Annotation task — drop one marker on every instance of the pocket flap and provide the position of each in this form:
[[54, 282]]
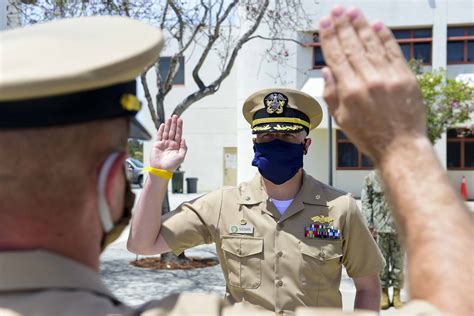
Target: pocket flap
[[322, 249], [242, 246]]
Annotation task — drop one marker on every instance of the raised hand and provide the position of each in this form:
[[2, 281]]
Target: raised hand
[[370, 90], [169, 150]]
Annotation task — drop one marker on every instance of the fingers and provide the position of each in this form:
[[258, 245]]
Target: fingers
[[160, 132], [391, 47], [351, 44], [330, 91], [166, 131], [179, 130], [373, 46], [173, 124], [333, 54]]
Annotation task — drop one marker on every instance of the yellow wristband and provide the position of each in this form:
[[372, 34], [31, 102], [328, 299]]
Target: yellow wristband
[[164, 174]]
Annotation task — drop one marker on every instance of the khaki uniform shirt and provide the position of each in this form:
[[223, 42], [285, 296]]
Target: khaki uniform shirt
[[42, 283], [275, 266]]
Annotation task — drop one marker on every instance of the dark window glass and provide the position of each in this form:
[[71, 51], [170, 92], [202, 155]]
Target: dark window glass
[[347, 155], [452, 133], [455, 31], [454, 154], [469, 154], [470, 30], [406, 50], [165, 66], [316, 37], [401, 34], [422, 51], [455, 51], [318, 57], [366, 162], [422, 33], [341, 135], [470, 51]]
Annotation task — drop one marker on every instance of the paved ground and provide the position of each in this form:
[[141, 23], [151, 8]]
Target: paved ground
[[137, 285]]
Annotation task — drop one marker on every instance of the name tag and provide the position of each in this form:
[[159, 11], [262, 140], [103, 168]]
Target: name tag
[[241, 229]]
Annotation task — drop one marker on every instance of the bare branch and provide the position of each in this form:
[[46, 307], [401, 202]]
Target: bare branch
[[210, 43], [177, 11], [149, 99], [283, 39]]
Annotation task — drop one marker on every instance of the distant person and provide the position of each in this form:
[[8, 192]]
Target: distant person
[[375, 99], [376, 210], [283, 237]]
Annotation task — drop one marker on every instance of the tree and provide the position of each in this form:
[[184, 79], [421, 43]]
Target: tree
[[135, 149], [448, 102], [206, 25]]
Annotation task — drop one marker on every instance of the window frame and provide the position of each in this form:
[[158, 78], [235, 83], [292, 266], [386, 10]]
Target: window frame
[[181, 66], [464, 39], [412, 40], [315, 44], [462, 140], [359, 153]]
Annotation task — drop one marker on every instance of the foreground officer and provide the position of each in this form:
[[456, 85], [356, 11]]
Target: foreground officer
[[67, 97], [281, 238], [377, 213]]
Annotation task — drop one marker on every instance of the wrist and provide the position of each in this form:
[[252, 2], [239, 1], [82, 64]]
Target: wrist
[[403, 147], [158, 172]]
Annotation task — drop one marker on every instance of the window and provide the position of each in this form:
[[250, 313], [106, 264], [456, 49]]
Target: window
[[460, 149], [318, 59], [460, 45], [165, 66], [415, 43], [348, 156]]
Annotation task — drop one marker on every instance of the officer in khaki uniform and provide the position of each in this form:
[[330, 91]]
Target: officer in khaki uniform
[[277, 259], [67, 97]]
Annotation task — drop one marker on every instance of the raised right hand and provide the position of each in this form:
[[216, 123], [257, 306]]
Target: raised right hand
[[169, 150]]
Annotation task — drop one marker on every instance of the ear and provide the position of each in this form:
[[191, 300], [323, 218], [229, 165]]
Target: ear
[[115, 187], [307, 143]]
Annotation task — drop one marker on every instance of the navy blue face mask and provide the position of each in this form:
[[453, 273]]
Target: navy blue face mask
[[278, 161]]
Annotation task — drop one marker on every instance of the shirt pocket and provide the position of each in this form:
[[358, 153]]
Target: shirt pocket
[[243, 257], [321, 262]]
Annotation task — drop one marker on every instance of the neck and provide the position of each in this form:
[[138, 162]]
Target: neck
[[285, 191], [67, 239]]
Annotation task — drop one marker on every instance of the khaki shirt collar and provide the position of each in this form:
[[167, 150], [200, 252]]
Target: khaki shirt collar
[[39, 269], [311, 192]]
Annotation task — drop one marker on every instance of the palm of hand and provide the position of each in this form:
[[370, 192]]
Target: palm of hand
[[167, 154]]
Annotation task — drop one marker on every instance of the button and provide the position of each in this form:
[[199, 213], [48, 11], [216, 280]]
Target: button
[[279, 283], [280, 312], [279, 253], [317, 197], [322, 255], [247, 198], [280, 226], [239, 251], [243, 221]]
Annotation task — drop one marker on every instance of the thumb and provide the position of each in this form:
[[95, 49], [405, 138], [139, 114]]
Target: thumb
[[182, 147]]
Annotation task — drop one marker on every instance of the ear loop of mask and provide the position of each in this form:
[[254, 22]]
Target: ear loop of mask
[[104, 210]]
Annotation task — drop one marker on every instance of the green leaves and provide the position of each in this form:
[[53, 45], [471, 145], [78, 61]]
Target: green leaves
[[448, 102]]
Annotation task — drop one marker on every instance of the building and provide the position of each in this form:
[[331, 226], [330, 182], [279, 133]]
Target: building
[[219, 139]]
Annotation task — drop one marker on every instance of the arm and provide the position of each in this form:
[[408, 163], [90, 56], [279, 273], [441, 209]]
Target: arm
[[168, 153], [374, 97], [367, 293]]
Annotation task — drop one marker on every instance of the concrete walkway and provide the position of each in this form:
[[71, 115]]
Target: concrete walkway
[[135, 285]]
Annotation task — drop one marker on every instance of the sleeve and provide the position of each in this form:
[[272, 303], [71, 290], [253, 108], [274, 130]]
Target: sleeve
[[361, 255], [366, 200], [190, 224]]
